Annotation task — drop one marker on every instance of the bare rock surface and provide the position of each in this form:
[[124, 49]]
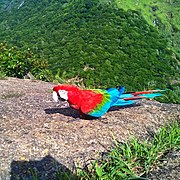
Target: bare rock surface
[[37, 132]]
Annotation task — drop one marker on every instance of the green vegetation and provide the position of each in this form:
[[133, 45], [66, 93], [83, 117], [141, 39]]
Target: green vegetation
[[17, 63], [135, 159], [162, 14], [99, 42], [172, 95], [164, 11]]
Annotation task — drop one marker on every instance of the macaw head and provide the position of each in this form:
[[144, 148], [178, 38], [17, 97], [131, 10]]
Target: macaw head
[[60, 92]]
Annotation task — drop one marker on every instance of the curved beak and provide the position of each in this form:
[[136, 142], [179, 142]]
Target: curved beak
[[55, 96]]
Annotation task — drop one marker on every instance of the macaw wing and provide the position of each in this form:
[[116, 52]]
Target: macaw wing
[[100, 106]]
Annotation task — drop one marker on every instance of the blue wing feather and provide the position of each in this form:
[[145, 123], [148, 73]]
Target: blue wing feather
[[117, 98]]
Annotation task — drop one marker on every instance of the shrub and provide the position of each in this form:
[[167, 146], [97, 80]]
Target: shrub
[[17, 63]]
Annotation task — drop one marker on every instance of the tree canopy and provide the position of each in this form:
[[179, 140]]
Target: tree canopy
[[94, 40]]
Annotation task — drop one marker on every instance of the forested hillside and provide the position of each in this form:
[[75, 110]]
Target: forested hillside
[[94, 40], [162, 14]]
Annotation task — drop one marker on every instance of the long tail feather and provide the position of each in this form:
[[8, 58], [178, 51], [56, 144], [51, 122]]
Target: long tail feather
[[122, 102], [142, 96], [150, 96], [145, 92], [132, 97]]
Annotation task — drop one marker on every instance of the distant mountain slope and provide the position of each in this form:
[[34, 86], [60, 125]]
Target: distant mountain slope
[[153, 11], [98, 42], [162, 14]]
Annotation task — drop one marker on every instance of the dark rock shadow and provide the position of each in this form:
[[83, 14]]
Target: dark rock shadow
[[69, 112], [75, 113], [65, 111], [46, 169]]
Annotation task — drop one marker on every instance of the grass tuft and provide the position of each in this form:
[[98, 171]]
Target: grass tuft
[[134, 159]]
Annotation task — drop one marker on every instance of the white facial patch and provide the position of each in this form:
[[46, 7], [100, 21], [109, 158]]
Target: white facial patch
[[63, 94], [55, 96]]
